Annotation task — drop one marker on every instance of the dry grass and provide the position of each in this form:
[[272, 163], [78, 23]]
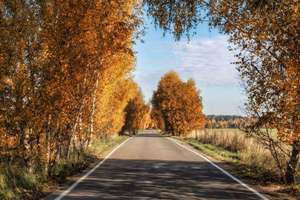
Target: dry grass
[[247, 149], [246, 156]]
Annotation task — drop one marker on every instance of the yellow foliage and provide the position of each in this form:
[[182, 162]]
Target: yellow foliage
[[178, 104]]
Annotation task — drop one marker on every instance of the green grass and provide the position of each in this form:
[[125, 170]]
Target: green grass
[[16, 183], [214, 151], [101, 145]]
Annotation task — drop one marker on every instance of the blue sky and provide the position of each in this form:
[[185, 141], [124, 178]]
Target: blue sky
[[205, 58]]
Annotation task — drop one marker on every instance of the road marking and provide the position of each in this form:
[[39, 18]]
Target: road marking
[[221, 169], [67, 191]]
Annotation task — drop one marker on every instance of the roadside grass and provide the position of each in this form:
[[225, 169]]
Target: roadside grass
[[95, 150], [99, 146], [214, 151], [16, 183], [246, 157], [247, 150], [245, 169]]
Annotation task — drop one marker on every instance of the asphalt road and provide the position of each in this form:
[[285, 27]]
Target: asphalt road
[[150, 166]]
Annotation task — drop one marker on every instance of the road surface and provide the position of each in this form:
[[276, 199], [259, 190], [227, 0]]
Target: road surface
[[150, 166]]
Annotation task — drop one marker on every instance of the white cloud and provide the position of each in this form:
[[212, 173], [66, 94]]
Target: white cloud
[[207, 60]]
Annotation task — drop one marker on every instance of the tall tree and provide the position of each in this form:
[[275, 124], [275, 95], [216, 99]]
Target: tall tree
[[56, 57], [179, 104]]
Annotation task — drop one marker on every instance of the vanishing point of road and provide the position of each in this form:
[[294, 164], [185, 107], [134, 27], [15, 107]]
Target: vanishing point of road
[[150, 166]]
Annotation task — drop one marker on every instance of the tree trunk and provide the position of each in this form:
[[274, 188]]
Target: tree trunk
[[91, 120], [47, 142], [91, 128], [292, 164]]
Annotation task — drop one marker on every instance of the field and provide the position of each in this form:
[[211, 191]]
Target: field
[[249, 158]]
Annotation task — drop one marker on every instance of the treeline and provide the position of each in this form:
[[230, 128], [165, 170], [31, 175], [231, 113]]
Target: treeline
[[225, 121], [65, 78], [177, 105], [137, 115]]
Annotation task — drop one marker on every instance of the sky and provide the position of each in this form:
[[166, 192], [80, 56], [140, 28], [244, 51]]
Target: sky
[[205, 58]]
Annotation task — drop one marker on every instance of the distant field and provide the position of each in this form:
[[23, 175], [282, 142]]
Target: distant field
[[216, 130]]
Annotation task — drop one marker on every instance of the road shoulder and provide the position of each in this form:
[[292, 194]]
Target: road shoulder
[[96, 156], [271, 191]]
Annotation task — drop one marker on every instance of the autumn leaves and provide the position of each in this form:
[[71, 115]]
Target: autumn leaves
[[66, 80], [65, 77], [137, 115], [177, 106]]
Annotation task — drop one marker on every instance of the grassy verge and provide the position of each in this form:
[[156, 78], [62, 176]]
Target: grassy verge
[[17, 183], [95, 151], [227, 157], [98, 147], [214, 151], [240, 164]]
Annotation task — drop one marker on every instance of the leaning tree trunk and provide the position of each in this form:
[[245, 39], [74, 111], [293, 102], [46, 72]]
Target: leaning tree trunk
[[292, 164]]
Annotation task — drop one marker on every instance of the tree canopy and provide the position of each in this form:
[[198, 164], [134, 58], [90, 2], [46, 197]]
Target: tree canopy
[[137, 115], [65, 76], [179, 105]]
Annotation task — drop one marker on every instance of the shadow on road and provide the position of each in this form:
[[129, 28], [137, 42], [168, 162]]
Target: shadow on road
[[150, 135], [156, 179]]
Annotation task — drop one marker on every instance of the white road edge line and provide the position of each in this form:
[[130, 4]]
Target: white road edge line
[[67, 191], [222, 170]]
